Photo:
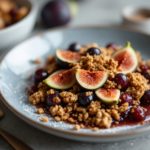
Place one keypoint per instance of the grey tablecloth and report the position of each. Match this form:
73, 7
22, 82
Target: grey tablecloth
90, 12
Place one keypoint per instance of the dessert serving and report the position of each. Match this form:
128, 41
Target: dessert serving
11, 12
92, 86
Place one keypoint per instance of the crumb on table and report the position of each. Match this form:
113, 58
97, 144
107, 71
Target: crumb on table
44, 119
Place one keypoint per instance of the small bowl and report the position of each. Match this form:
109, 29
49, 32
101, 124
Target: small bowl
137, 17
17, 32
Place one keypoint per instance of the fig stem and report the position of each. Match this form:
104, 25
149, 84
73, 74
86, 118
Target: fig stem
128, 44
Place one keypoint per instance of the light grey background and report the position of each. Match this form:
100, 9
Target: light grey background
90, 12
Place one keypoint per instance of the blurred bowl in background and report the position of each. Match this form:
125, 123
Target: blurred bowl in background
137, 18
20, 30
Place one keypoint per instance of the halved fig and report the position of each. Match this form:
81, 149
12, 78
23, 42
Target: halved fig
91, 79
62, 79
108, 96
126, 58
67, 57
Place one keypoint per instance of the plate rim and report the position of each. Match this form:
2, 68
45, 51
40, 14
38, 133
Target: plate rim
50, 129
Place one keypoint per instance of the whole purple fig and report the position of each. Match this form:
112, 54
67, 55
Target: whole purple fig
56, 13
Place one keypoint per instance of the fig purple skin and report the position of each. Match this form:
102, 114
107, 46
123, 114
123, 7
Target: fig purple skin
62, 64
56, 13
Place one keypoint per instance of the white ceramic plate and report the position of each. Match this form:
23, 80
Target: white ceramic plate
16, 67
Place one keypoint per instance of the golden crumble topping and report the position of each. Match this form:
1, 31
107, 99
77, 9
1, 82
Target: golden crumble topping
36, 98
68, 97
138, 85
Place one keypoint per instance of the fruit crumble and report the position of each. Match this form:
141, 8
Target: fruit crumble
11, 12
93, 87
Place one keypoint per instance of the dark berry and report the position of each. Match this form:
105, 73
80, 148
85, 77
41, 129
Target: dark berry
146, 75
125, 114
137, 114
144, 68
112, 46
49, 99
144, 71
74, 47
84, 100
40, 75
145, 99
32, 89
94, 51
122, 81
126, 98
56, 13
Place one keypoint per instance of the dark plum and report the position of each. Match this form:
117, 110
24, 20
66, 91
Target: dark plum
112, 46
125, 114
126, 98
40, 75
146, 75
122, 80
145, 99
144, 71
94, 51
32, 89
62, 64
137, 114
144, 68
75, 47
49, 99
84, 100
56, 13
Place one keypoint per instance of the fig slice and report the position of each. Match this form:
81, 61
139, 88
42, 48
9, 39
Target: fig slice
108, 96
67, 57
91, 80
126, 58
61, 79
